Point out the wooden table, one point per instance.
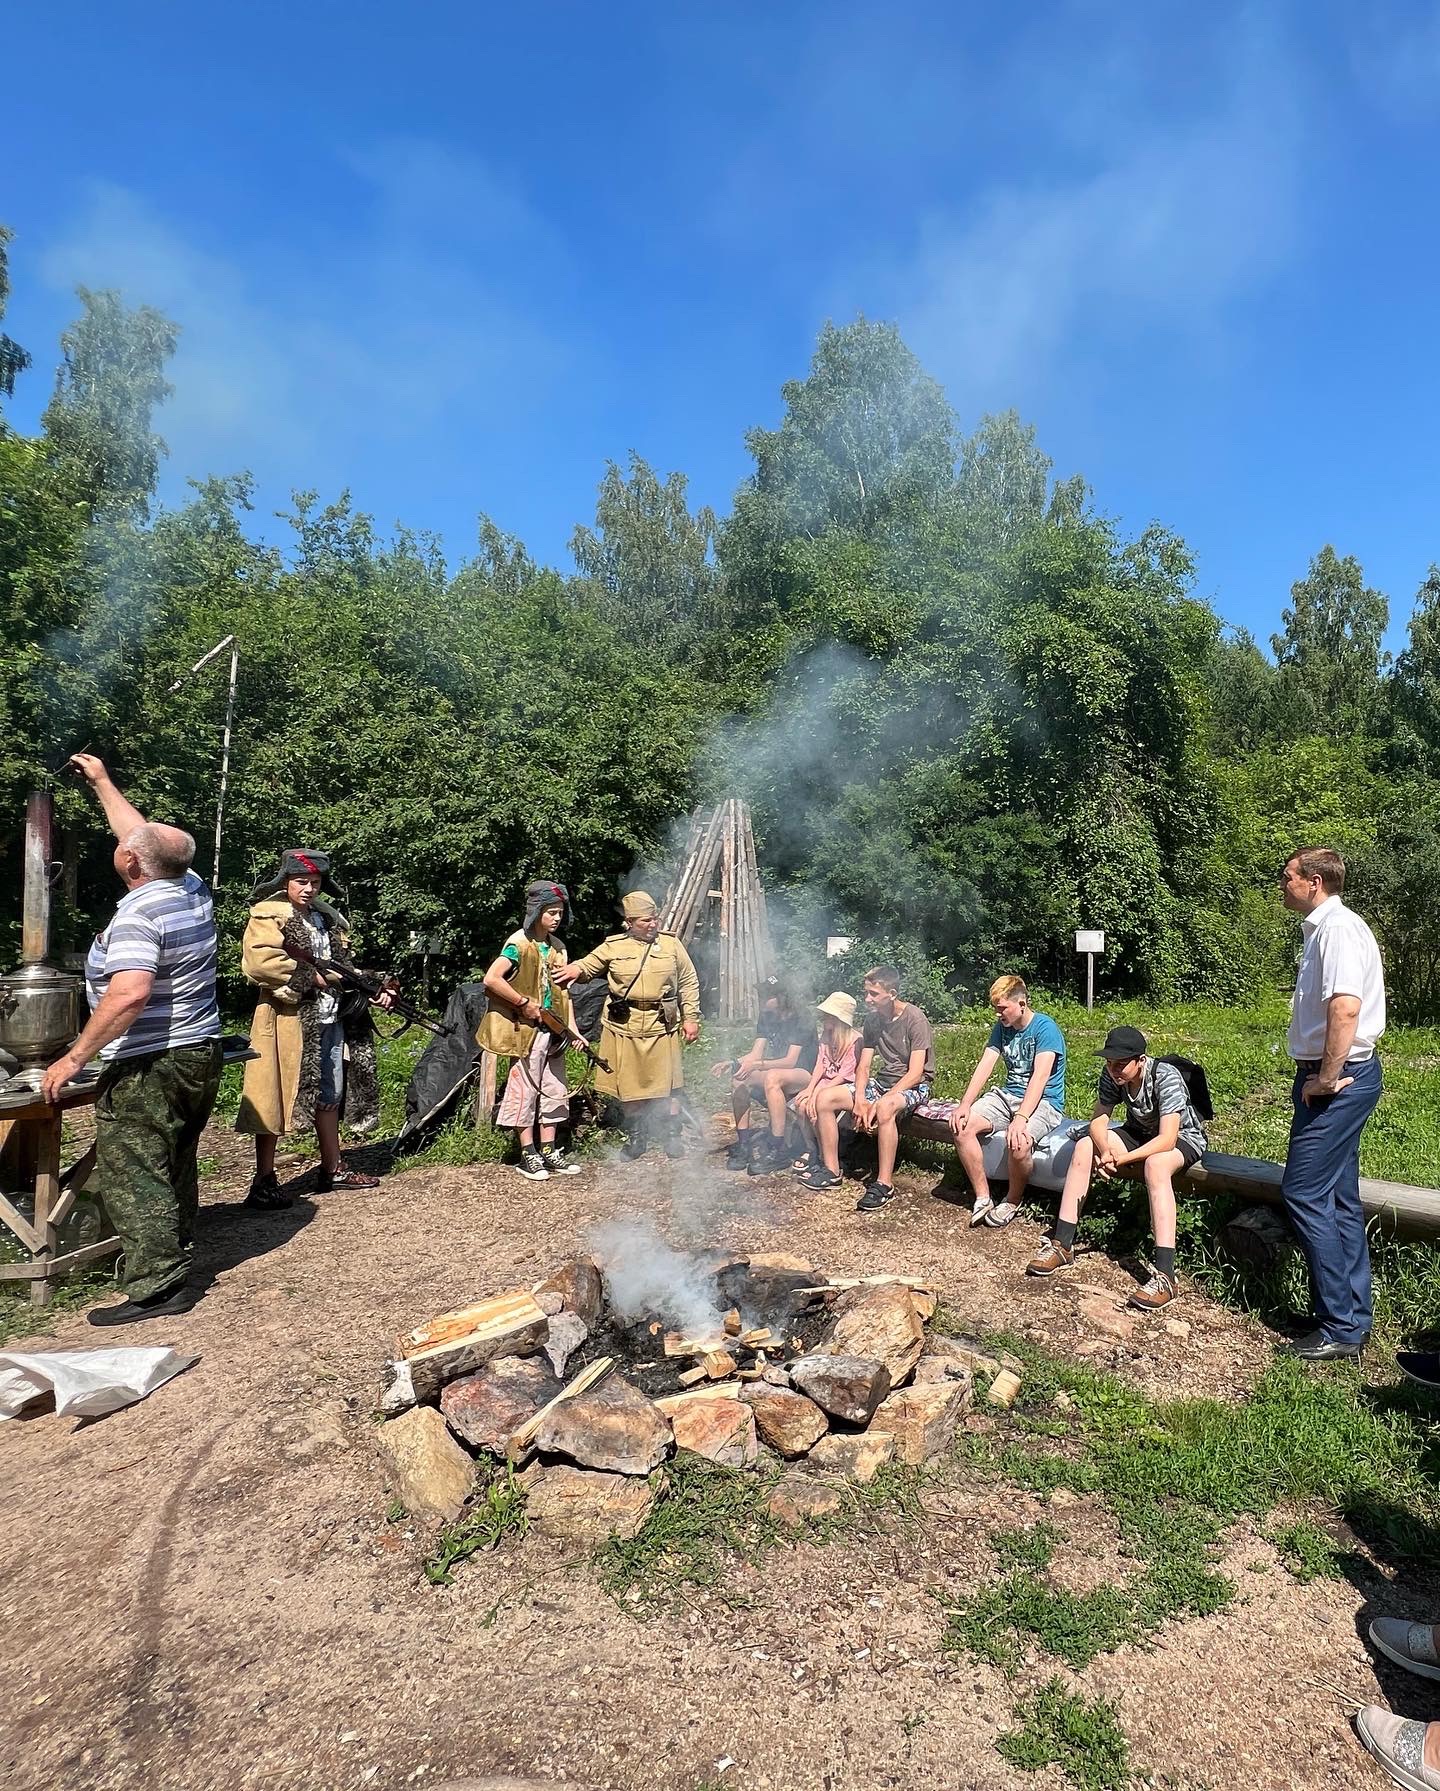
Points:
(30, 1153)
(30, 1150)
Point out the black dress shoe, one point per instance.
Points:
(134, 1312)
(1317, 1348)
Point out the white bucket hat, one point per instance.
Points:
(839, 1007)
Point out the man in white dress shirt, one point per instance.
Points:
(1336, 1019)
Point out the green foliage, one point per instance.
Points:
(1307, 1551)
(970, 715)
(499, 1512)
(1060, 1728)
(704, 1517)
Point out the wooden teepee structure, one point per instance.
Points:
(716, 905)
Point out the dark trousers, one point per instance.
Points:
(1321, 1189)
(149, 1114)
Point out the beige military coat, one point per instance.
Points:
(644, 1051)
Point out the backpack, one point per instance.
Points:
(1197, 1087)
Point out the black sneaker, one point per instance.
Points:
(267, 1194)
(766, 1157)
(532, 1166)
(738, 1155)
(818, 1178)
(557, 1162)
(876, 1195)
(134, 1312)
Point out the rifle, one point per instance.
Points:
(552, 1023)
(368, 984)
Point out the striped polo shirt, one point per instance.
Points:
(166, 926)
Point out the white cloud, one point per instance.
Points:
(1153, 221)
(400, 320)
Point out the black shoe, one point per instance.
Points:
(267, 1194)
(818, 1178)
(533, 1166)
(557, 1162)
(1421, 1366)
(766, 1158)
(134, 1312)
(876, 1195)
(673, 1141)
(1319, 1348)
(738, 1155)
(634, 1146)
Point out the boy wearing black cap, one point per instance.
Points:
(1162, 1131)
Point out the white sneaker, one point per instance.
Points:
(1000, 1212)
(981, 1210)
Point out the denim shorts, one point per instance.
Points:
(332, 1065)
(912, 1097)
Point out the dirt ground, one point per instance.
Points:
(203, 1591)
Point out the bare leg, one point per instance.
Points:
(779, 1086)
(1077, 1179)
(327, 1130)
(1019, 1172)
(265, 1143)
(832, 1103)
(970, 1148)
(1160, 1171)
(887, 1140)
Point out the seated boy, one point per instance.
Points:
(892, 1078)
(776, 1066)
(1162, 1130)
(1027, 1104)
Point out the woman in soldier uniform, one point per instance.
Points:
(653, 1001)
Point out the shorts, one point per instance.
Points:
(1132, 1141)
(1000, 1107)
(912, 1097)
(332, 1065)
(540, 1073)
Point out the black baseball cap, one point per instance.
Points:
(1122, 1042)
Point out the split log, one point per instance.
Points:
(677, 1344)
(718, 1364)
(687, 1377)
(753, 1339)
(524, 1438)
(731, 1323)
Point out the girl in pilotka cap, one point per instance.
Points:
(522, 986)
(315, 1043)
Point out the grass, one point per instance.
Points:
(499, 1514)
(1173, 1475)
(1059, 1728)
(707, 1517)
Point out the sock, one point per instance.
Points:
(1165, 1259)
(1064, 1233)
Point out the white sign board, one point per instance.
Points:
(1089, 941)
(837, 944)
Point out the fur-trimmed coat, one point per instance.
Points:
(283, 1082)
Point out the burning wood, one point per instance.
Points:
(678, 1344)
(753, 1339)
(687, 1377)
(731, 1323)
(718, 1364)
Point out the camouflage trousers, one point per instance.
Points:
(149, 1114)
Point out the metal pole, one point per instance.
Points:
(1089, 979)
(225, 759)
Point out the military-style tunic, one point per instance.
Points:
(643, 1052)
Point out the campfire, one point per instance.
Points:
(587, 1397)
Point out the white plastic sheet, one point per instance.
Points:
(86, 1382)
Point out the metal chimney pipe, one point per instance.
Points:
(39, 832)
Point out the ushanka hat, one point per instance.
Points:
(543, 894)
(297, 863)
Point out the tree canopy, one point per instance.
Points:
(970, 713)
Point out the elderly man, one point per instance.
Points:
(653, 1001)
(1336, 1019)
(150, 977)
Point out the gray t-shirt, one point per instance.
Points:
(894, 1040)
(1162, 1091)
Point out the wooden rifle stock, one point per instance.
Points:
(369, 987)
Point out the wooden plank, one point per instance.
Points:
(72, 1259)
(485, 1097)
(32, 1239)
(47, 1195)
(501, 1313)
(72, 1185)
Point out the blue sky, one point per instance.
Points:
(456, 260)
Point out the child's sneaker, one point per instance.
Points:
(818, 1178)
(557, 1162)
(532, 1165)
(876, 1195)
(1050, 1259)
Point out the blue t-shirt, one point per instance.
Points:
(1019, 1049)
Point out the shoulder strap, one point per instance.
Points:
(644, 959)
